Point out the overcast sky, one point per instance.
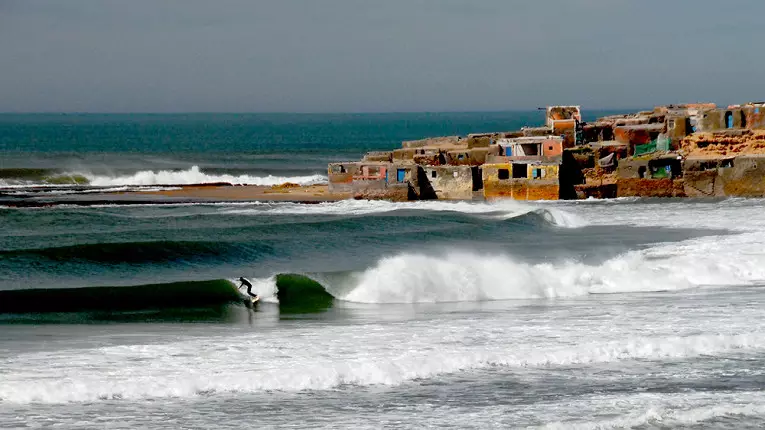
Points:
(376, 56)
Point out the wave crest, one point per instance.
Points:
(455, 277)
(193, 176)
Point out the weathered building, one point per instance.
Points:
(740, 176)
(534, 147)
(448, 182)
(521, 181)
(670, 151)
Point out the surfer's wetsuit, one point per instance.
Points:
(249, 287)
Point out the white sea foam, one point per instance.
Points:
(250, 364)
(58, 191)
(419, 278)
(641, 410)
(195, 175)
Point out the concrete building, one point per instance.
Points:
(670, 151)
(521, 181)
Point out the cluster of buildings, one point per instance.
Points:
(689, 150)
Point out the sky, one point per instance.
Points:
(375, 56)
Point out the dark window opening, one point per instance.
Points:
(536, 173)
(641, 171)
(477, 178)
(530, 149)
(503, 174)
(727, 163)
(433, 174)
(520, 171)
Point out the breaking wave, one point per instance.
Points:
(182, 374)
(192, 176)
(413, 278)
(403, 278)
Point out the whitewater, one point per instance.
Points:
(587, 315)
(193, 175)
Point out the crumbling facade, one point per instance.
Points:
(693, 150)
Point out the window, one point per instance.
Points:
(530, 149)
(461, 157)
(536, 173)
(549, 148)
(503, 174)
(520, 171)
(671, 124)
(433, 174)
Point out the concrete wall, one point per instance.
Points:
(392, 192)
(631, 187)
(467, 157)
(678, 126)
(716, 119)
(558, 114)
(379, 156)
(629, 168)
(374, 180)
(404, 154)
(480, 142)
(341, 175)
(545, 188)
(754, 117)
(552, 147)
(598, 132)
(548, 146)
(742, 176)
(433, 141)
(637, 134)
(536, 131)
(447, 182)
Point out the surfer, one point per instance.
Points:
(249, 287)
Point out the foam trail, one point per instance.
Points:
(454, 277)
(195, 176)
(663, 410)
(176, 369)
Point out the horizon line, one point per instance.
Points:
(629, 109)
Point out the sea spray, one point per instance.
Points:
(465, 276)
(195, 175)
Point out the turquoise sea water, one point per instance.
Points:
(110, 149)
(589, 314)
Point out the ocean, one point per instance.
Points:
(594, 314)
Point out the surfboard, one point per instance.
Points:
(251, 302)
